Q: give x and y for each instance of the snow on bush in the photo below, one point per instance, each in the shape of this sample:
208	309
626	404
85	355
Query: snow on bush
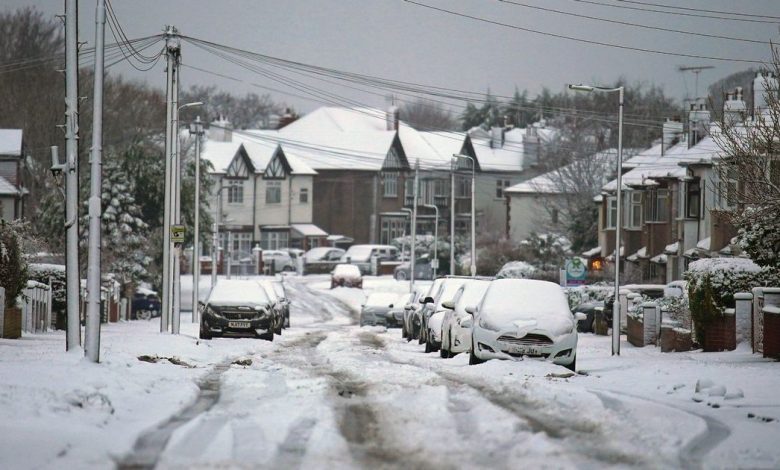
516	270
54	275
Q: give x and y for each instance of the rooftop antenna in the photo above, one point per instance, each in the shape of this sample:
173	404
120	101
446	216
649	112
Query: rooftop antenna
696	69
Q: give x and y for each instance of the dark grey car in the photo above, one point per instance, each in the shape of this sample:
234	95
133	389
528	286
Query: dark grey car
422	269
379	309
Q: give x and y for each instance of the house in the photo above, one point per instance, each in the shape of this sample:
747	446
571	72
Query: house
12	193
263	194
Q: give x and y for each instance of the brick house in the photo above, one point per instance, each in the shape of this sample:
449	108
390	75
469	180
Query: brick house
12	192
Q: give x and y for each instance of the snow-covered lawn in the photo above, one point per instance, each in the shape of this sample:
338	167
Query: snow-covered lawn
330	394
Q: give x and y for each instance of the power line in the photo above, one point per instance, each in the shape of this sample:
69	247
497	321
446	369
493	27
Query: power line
694	15
626	23
582	40
675	7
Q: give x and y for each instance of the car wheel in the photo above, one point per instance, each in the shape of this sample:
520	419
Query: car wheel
443	352
400	276
288	269
573	366
473	359
278	330
287	321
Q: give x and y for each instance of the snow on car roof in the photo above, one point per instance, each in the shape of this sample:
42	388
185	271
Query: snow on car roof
346	270
473	291
449	289
527	304
236	292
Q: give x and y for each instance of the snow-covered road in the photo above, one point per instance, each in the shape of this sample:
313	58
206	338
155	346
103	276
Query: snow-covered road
331	394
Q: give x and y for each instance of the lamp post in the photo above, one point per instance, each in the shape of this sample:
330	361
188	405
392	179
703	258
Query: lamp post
196	129
616	309
435	264
403	244
473	212
215	239
174	273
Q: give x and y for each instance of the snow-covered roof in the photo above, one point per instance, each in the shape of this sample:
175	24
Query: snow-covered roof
659	259
552	181
508	157
6	188
11	142
260	152
220	154
704	244
592	252
309	230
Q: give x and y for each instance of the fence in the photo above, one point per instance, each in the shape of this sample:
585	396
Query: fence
36	308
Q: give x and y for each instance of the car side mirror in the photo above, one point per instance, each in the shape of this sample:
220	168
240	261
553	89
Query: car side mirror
471	309
467	323
448	305
427	300
579	316
408	307
390	306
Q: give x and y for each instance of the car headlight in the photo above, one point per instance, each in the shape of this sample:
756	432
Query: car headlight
484	322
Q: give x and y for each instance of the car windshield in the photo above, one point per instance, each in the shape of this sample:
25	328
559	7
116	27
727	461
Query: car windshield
510	300
346	270
434	288
238	292
473	292
316	254
381	299
449	290
359	253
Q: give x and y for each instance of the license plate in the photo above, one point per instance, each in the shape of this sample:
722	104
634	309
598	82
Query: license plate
239	324
528	351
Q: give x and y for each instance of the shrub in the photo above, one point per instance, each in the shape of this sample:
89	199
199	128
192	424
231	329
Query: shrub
13	267
54	274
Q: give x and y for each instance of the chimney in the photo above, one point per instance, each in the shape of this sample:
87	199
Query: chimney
673	132
531	147
392	117
496	137
762	82
220	130
734	108
698	122
288	117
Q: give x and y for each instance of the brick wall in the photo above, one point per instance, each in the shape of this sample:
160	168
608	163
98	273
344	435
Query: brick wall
772	335
721	334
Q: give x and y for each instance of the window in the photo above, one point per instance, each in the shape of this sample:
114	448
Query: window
409	191
235	192
273	192
390	184
392	228
304	196
657	207
693	199
240	245
463	186
635	209
554	216
501	185
611	218
274	240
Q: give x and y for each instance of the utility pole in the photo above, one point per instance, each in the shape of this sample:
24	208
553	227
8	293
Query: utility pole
197	130
72	278
413	258
176	271
92	335
172	50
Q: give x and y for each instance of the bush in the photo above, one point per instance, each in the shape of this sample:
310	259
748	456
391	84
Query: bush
516	270
53	274
13	267
712	283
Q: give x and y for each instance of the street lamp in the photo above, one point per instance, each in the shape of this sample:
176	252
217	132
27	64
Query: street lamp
618	222
196	129
215	239
403	244
435	264
473	212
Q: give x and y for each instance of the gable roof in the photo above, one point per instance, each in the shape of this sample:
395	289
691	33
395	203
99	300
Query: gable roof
550	182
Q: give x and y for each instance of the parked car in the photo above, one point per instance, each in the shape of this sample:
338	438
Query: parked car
378	309
346	275
276	305
422	269
278	287
146	305
361	255
276	261
433	316
323	253
237	307
294	253
426	302
409	329
522	317
457	323
590	309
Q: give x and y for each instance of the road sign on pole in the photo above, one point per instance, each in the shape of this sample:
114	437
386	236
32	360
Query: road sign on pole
177	234
576	271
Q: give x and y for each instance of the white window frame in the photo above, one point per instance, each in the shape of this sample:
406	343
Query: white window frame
235	191
610	220
501	186
273	188
303	196
390	184
634	215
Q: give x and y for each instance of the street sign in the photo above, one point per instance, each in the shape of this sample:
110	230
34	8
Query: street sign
576	271
435	263
177	233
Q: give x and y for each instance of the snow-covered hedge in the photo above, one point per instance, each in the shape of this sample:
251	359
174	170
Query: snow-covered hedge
516	270
54	273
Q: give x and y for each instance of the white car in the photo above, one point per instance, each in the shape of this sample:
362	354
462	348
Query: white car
522	317
457	323
277	261
432	323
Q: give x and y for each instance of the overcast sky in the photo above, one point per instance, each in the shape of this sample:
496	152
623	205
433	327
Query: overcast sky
399	40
